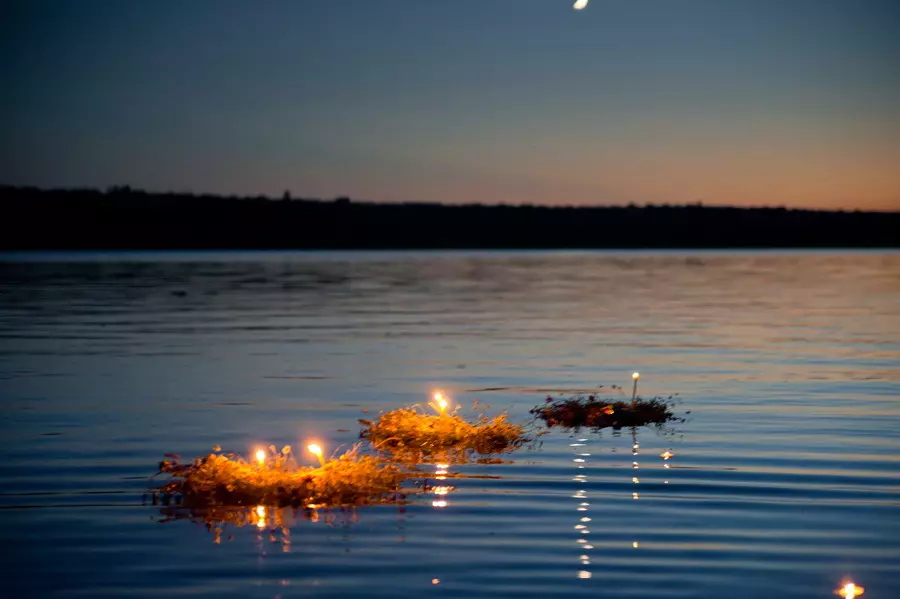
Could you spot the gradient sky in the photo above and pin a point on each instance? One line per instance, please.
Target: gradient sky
(742, 102)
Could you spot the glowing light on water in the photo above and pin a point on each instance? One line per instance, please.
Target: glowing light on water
(849, 591)
(580, 4)
(261, 516)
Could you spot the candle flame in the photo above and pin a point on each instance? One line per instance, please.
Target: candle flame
(440, 402)
(261, 456)
(316, 450)
(636, 375)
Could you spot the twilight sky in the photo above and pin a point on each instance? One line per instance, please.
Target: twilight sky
(742, 102)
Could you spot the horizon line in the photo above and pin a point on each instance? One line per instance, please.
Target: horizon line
(112, 189)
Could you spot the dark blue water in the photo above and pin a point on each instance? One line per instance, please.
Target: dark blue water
(785, 479)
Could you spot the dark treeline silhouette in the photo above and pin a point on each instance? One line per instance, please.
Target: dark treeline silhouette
(123, 218)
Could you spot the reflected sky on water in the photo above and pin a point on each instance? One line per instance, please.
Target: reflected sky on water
(784, 481)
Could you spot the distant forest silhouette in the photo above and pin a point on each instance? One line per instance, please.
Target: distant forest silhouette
(123, 218)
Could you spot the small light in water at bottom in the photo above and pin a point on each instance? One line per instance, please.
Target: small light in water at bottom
(435, 580)
(850, 591)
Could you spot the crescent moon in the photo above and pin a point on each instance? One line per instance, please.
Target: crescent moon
(580, 4)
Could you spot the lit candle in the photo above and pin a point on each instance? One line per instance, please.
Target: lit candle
(316, 450)
(634, 376)
(440, 402)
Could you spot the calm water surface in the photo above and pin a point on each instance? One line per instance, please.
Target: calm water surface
(785, 478)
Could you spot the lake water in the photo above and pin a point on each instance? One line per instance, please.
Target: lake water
(785, 478)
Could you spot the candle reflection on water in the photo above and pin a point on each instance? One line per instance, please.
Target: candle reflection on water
(580, 459)
(441, 491)
(635, 450)
(666, 456)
